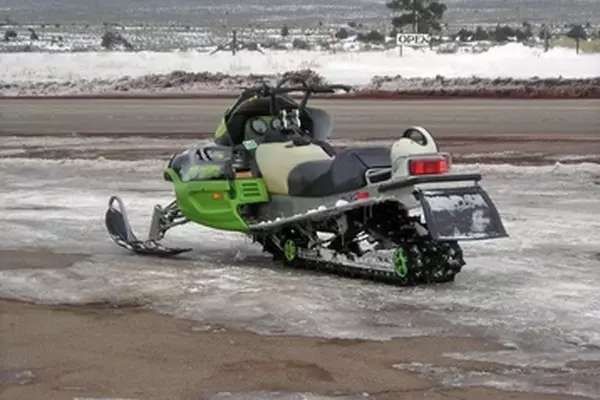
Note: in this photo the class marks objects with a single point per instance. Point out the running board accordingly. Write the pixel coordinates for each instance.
(312, 215)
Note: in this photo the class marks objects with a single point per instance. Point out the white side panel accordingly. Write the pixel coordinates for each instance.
(276, 161)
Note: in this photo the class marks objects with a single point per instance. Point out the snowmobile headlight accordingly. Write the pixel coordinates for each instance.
(259, 126)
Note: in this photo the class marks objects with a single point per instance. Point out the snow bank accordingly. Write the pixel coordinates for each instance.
(93, 72)
(208, 84)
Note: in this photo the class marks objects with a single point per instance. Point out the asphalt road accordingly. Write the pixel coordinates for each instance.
(355, 119)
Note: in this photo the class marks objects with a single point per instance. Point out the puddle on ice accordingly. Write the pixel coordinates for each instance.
(281, 396)
(537, 289)
(562, 380)
(255, 396)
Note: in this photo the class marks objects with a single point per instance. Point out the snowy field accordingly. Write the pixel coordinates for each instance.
(537, 291)
(510, 61)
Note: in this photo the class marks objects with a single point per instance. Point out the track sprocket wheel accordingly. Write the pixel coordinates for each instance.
(290, 250)
(407, 263)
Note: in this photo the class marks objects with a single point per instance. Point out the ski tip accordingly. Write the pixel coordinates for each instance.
(115, 199)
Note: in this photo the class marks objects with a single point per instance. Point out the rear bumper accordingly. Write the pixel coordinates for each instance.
(455, 206)
(419, 180)
(461, 213)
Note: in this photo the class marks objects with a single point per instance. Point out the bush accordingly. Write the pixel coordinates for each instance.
(311, 77)
(111, 39)
(371, 37)
(481, 34)
(9, 35)
(543, 32)
(342, 33)
(271, 44)
(300, 44)
(465, 35)
(577, 32)
(503, 33)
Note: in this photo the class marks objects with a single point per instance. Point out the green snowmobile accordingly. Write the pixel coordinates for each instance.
(393, 214)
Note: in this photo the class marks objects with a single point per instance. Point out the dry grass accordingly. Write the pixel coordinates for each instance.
(585, 46)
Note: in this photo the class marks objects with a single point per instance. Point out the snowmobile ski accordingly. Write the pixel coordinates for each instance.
(119, 229)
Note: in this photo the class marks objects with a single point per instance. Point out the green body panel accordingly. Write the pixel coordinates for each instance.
(221, 129)
(196, 201)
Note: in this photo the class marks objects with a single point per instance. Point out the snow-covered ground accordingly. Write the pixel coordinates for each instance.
(512, 60)
(537, 291)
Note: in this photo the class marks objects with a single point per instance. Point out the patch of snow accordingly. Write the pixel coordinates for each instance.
(512, 60)
(281, 396)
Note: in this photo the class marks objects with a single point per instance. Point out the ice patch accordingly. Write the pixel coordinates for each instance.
(526, 377)
(102, 398)
(281, 396)
(537, 289)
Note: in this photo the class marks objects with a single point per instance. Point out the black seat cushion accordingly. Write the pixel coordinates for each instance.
(344, 173)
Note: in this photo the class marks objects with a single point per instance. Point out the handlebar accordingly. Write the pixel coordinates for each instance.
(266, 90)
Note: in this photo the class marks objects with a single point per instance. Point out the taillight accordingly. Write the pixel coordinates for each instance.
(428, 167)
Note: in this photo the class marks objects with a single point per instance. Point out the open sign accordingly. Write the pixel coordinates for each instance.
(413, 39)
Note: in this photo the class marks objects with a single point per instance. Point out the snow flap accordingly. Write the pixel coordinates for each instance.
(465, 213)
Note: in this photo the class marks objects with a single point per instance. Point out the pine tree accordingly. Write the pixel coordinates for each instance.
(577, 32)
(423, 15)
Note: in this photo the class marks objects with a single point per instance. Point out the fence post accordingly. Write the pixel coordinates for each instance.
(234, 42)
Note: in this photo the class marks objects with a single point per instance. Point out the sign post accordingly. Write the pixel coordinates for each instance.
(412, 39)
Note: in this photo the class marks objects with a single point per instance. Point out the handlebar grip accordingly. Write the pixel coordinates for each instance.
(268, 90)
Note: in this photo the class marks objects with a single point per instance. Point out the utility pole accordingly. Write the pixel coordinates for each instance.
(234, 43)
(414, 16)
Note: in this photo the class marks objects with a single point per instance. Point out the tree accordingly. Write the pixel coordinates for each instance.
(503, 33)
(342, 34)
(285, 31)
(371, 37)
(465, 35)
(300, 44)
(546, 35)
(423, 15)
(481, 34)
(577, 32)
(545, 32)
(527, 30)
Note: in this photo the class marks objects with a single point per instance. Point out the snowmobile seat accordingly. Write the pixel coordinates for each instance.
(344, 173)
(276, 160)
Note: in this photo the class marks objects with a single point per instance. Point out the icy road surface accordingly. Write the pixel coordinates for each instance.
(537, 291)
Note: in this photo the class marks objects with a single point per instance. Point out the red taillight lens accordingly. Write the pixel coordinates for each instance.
(428, 167)
(362, 195)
